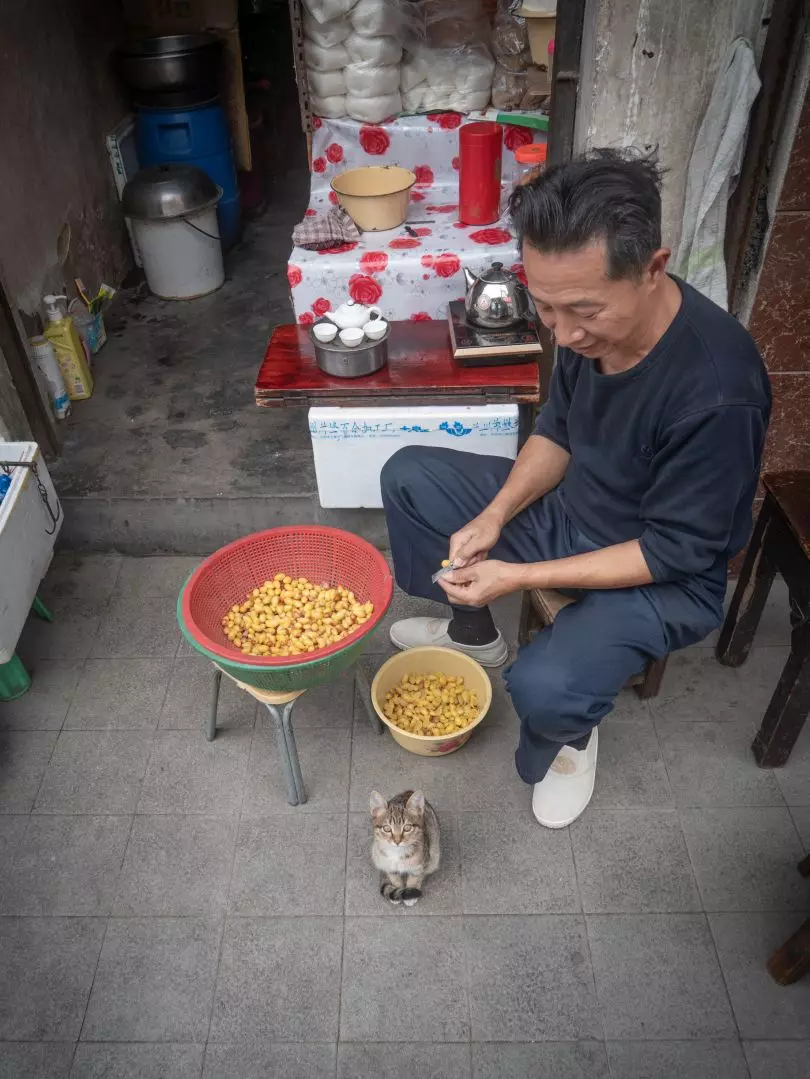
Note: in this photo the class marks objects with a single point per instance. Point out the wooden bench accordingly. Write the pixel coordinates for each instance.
(780, 544)
(542, 605)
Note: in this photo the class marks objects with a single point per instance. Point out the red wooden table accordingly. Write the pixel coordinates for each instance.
(420, 370)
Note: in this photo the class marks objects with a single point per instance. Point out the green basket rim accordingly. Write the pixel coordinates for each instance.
(221, 662)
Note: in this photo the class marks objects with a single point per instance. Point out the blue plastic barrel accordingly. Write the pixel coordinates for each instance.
(194, 136)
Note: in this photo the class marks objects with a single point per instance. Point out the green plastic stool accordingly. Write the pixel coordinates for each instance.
(14, 678)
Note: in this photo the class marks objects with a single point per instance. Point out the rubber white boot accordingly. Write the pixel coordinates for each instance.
(417, 632)
(563, 793)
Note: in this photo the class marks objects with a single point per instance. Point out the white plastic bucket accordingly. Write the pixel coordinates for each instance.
(182, 256)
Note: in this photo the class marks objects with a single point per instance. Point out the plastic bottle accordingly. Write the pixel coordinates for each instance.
(46, 361)
(529, 162)
(63, 335)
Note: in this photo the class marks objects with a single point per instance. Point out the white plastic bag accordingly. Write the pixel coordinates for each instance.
(373, 110)
(331, 108)
(326, 83)
(326, 34)
(413, 100)
(414, 71)
(469, 101)
(379, 18)
(318, 59)
(367, 80)
(381, 51)
(326, 10)
(457, 79)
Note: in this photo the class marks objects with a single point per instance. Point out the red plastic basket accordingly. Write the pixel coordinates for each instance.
(322, 555)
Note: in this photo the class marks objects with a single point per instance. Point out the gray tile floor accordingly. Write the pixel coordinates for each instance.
(165, 913)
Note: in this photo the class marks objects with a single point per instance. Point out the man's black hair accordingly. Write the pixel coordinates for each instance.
(609, 195)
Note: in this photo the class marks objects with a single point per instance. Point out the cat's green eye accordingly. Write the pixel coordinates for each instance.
(408, 828)
(386, 827)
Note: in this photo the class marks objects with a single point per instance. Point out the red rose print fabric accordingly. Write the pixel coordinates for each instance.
(373, 262)
(517, 269)
(513, 137)
(374, 140)
(363, 289)
(411, 274)
(446, 265)
(491, 236)
(447, 121)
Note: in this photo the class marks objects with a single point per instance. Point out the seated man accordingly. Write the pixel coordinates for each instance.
(632, 494)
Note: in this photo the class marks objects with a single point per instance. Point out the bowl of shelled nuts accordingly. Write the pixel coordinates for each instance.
(431, 699)
(288, 608)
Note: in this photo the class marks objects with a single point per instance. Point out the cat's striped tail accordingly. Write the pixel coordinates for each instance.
(396, 895)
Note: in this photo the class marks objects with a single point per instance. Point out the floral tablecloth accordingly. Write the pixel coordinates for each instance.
(409, 276)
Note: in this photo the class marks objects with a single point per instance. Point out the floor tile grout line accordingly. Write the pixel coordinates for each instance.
(226, 908)
(798, 911)
(92, 984)
(720, 967)
(587, 940)
(355, 694)
(465, 944)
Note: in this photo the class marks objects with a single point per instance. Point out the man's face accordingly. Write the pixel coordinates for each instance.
(586, 310)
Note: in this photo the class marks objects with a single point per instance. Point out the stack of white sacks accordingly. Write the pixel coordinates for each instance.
(356, 66)
(353, 55)
(456, 79)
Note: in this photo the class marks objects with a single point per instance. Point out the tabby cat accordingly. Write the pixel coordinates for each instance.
(405, 847)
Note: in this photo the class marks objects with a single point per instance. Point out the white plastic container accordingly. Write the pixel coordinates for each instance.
(351, 445)
(27, 537)
(47, 363)
(182, 257)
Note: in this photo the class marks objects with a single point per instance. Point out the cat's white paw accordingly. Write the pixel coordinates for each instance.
(410, 902)
(396, 902)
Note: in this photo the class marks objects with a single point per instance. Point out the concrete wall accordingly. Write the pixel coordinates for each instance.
(647, 72)
(58, 99)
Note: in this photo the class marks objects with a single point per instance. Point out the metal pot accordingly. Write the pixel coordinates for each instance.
(497, 299)
(336, 359)
(175, 70)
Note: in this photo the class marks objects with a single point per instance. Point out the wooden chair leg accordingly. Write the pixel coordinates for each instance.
(650, 685)
(788, 708)
(528, 620)
(750, 596)
(792, 960)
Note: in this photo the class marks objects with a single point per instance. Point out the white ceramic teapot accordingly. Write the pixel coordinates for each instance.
(353, 314)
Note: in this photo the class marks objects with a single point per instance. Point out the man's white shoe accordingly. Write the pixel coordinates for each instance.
(565, 790)
(418, 632)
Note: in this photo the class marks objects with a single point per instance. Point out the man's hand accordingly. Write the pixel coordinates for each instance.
(474, 541)
(477, 585)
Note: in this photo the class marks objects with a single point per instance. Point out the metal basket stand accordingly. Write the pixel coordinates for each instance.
(280, 706)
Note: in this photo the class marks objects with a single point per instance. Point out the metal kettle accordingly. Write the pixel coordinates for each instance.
(497, 299)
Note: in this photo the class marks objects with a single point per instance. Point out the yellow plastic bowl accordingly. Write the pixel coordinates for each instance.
(375, 197)
(431, 660)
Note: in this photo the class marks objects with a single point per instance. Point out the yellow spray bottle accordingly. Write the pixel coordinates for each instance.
(61, 331)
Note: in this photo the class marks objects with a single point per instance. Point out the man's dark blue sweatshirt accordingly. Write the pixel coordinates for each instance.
(669, 451)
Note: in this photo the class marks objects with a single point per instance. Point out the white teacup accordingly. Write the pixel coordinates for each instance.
(325, 332)
(376, 329)
(352, 336)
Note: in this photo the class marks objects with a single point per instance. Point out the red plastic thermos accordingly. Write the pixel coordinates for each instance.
(479, 173)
